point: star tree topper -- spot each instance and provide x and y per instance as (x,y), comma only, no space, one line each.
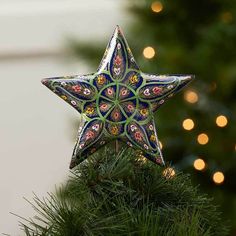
(117,102)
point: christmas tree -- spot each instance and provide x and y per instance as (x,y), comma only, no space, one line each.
(123,194)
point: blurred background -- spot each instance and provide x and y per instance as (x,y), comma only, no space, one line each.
(64,37)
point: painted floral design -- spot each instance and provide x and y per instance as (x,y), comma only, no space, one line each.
(157,90)
(101,79)
(89,110)
(117,101)
(87,91)
(133,79)
(138,136)
(77,88)
(114,130)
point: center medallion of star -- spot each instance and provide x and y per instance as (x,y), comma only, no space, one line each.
(117,102)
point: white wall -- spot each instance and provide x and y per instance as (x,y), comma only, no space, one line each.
(36,135)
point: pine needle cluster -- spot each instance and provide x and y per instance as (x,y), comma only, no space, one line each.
(121,194)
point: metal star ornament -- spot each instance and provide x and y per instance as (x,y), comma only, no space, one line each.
(117,102)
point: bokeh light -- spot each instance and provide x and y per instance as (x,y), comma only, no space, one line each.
(221,121)
(199,164)
(202,138)
(169,172)
(149,52)
(227,17)
(218,177)
(188,124)
(156,6)
(160,144)
(191,96)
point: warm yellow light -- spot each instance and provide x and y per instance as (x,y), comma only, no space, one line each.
(218,177)
(191,96)
(169,172)
(160,144)
(188,124)
(199,164)
(157,7)
(149,52)
(221,121)
(227,17)
(202,139)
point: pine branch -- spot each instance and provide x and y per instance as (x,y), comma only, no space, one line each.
(117,194)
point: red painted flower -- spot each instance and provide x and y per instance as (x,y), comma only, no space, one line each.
(103,107)
(138,135)
(130,107)
(124,92)
(118,60)
(110,91)
(76,88)
(157,90)
(89,134)
(116,115)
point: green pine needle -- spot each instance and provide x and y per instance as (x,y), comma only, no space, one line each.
(117,194)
